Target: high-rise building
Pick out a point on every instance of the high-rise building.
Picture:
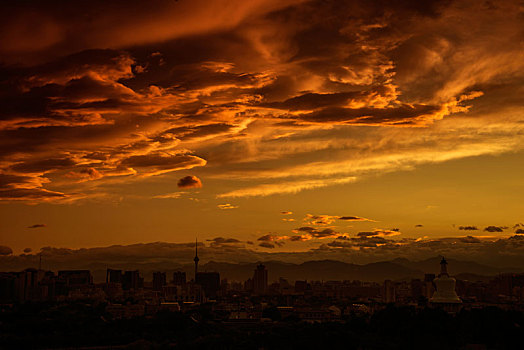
(76, 278)
(260, 279)
(390, 295)
(210, 283)
(159, 281)
(179, 278)
(113, 276)
(132, 280)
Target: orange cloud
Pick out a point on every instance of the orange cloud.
(379, 233)
(226, 206)
(85, 174)
(329, 219)
(247, 87)
(284, 187)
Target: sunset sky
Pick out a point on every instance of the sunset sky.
(275, 125)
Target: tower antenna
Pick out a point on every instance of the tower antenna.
(196, 259)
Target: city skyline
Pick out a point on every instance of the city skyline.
(338, 129)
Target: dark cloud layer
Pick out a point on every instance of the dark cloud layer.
(495, 228)
(37, 226)
(271, 240)
(502, 252)
(225, 242)
(189, 182)
(379, 233)
(5, 250)
(266, 245)
(468, 228)
(307, 233)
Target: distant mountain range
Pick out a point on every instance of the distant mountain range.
(374, 272)
(326, 270)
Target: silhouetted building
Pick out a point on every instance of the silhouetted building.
(301, 286)
(390, 295)
(114, 276)
(7, 287)
(248, 285)
(210, 282)
(179, 278)
(132, 280)
(417, 289)
(76, 278)
(429, 287)
(159, 281)
(260, 279)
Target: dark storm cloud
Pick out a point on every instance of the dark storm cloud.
(495, 228)
(419, 225)
(189, 182)
(37, 226)
(519, 231)
(27, 250)
(468, 228)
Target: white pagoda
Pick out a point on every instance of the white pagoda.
(445, 295)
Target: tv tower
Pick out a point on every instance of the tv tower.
(196, 259)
